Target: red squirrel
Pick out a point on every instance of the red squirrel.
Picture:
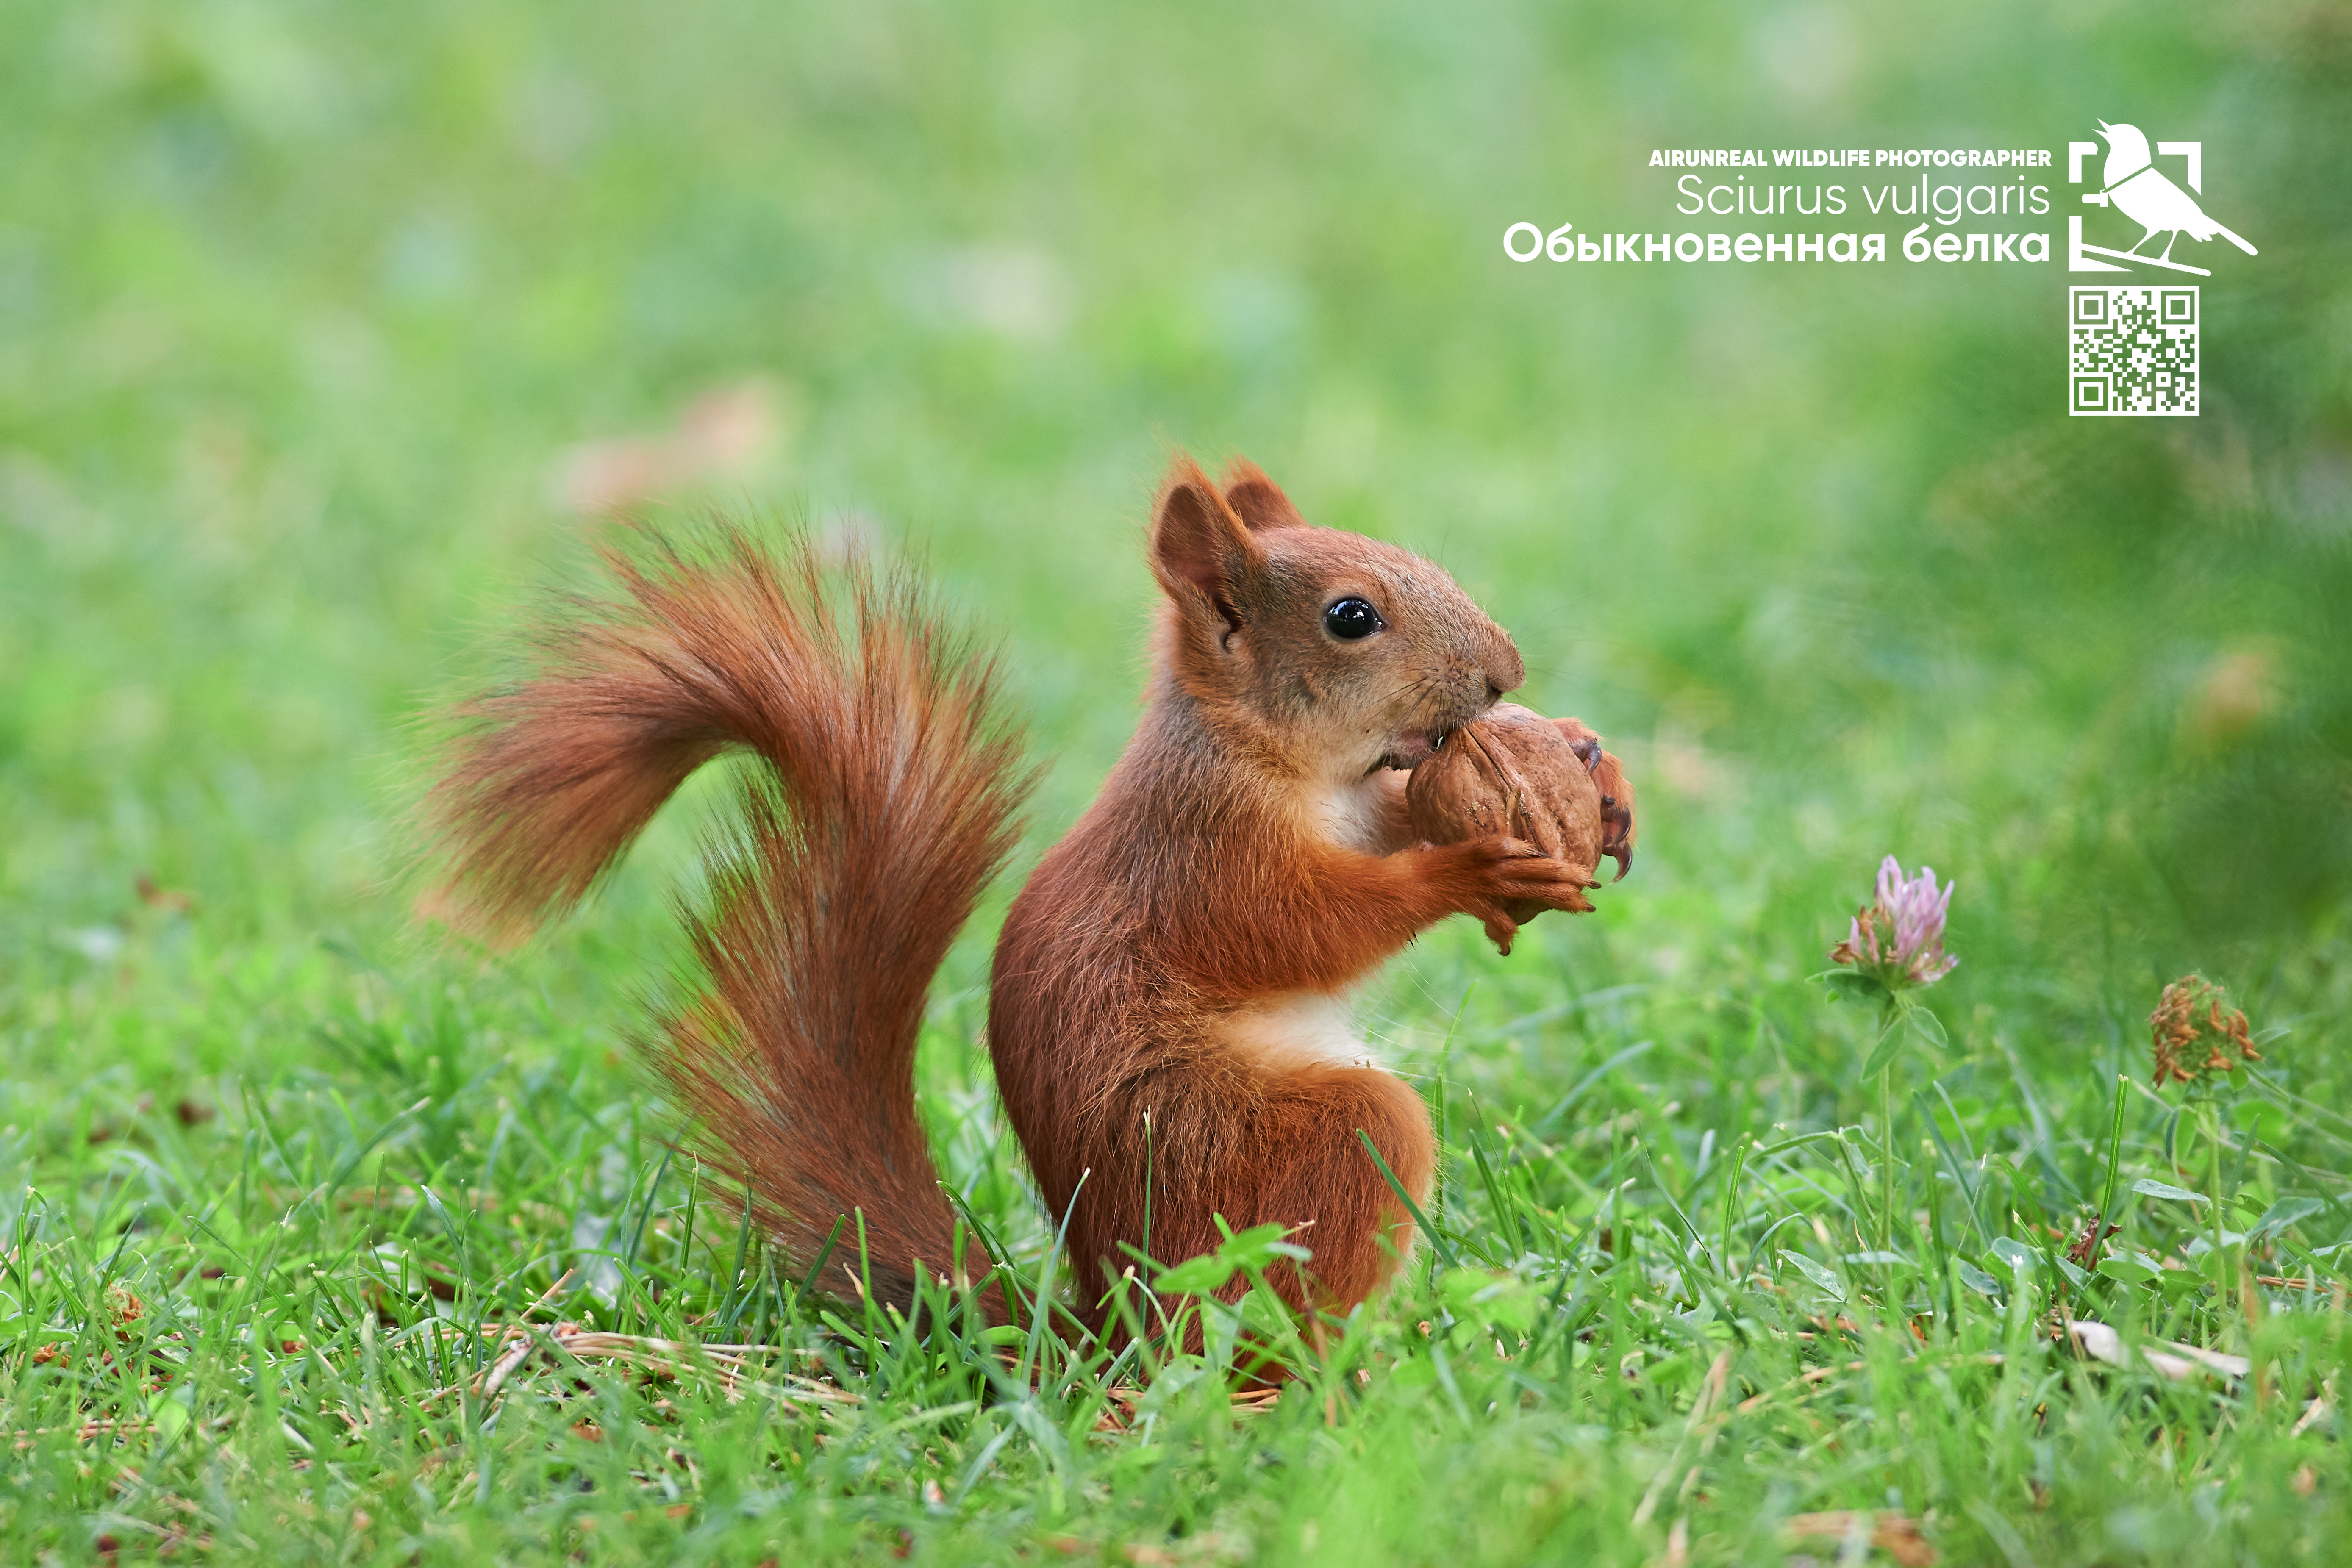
(1183, 957)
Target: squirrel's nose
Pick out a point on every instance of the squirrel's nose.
(1506, 671)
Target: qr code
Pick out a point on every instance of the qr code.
(2132, 350)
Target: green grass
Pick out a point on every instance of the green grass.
(305, 318)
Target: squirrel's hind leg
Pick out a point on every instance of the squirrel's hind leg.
(1292, 1157)
(1304, 1167)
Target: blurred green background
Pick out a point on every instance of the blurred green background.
(323, 330)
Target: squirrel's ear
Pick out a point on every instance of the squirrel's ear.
(1198, 545)
(1257, 500)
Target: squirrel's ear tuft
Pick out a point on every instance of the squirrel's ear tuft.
(1198, 544)
(1257, 500)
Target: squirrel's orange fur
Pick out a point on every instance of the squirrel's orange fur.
(1184, 955)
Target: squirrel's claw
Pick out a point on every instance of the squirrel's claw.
(1619, 845)
(1502, 930)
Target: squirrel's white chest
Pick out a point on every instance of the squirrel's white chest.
(1360, 813)
(1297, 1029)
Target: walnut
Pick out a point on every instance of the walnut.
(1518, 773)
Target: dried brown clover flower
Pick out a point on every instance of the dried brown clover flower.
(2086, 1245)
(2189, 1017)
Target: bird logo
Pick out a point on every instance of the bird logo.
(2133, 185)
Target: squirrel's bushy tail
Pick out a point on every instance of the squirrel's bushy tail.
(882, 799)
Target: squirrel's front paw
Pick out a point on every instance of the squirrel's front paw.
(1507, 881)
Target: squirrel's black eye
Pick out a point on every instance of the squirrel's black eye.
(1349, 619)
